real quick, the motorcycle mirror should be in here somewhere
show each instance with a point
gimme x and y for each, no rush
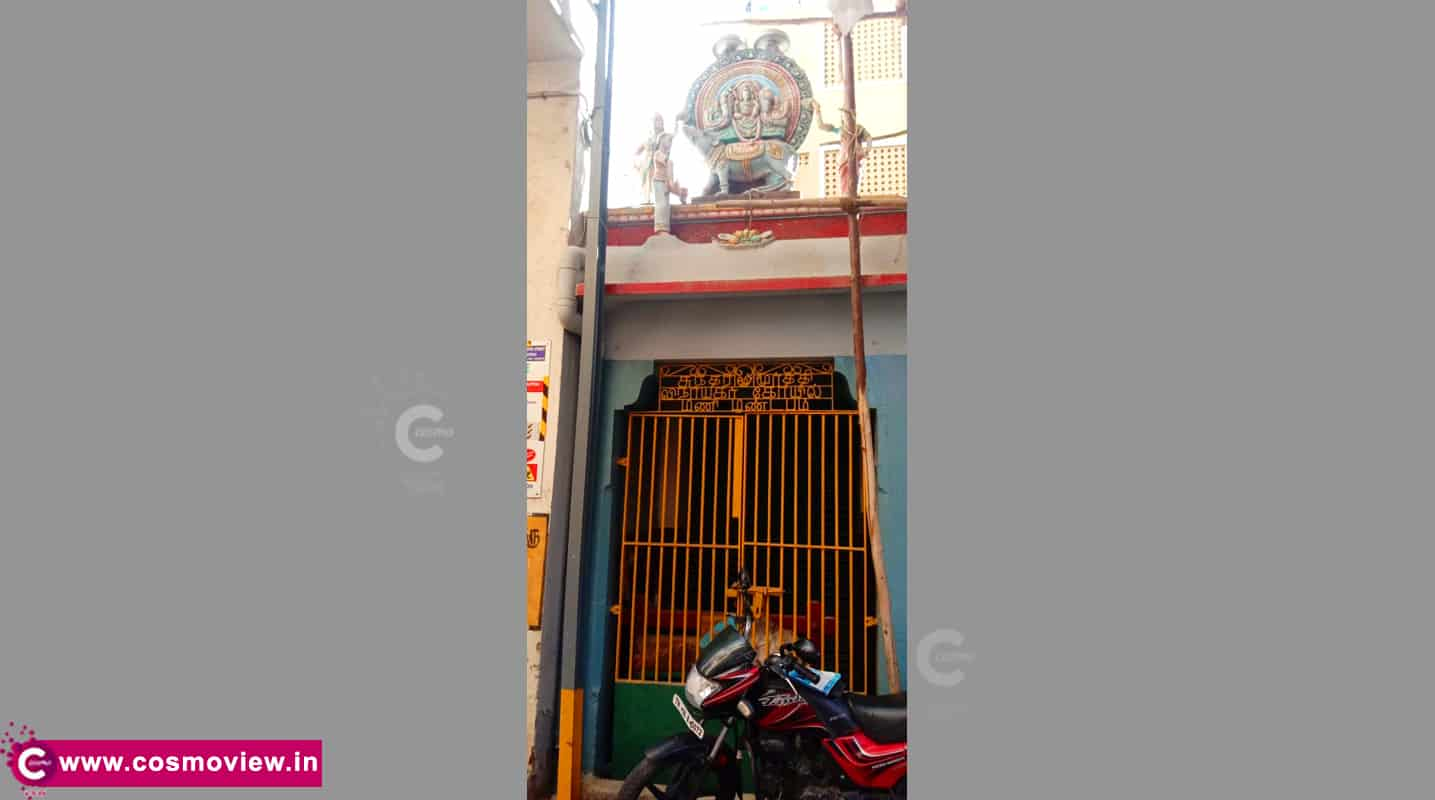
(807, 651)
(744, 580)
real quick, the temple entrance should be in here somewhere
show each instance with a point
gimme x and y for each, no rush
(751, 466)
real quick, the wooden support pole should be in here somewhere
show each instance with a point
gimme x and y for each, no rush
(859, 353)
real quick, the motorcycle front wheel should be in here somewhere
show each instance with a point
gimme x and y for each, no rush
(676, 777)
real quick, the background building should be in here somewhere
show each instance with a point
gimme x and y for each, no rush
(686, 490)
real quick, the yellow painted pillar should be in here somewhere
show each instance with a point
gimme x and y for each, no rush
(570, 745)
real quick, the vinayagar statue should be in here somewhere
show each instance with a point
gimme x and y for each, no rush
(748, 113)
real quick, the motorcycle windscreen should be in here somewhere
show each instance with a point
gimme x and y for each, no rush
(724, 649)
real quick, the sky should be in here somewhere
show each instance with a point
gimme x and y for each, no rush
(659, 49)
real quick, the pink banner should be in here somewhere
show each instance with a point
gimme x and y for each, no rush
(159, 763)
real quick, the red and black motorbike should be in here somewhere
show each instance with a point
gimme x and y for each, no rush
(804, 734)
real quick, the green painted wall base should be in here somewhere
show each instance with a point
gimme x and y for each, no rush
(643, 715)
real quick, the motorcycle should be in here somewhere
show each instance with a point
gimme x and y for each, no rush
(805, 735)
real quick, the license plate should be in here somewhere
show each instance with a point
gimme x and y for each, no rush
(693, 725)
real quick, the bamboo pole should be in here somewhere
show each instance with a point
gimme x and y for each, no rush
(859, 353)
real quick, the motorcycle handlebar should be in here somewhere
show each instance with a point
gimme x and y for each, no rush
(783, 664)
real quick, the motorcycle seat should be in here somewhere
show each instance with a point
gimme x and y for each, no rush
(882, 717)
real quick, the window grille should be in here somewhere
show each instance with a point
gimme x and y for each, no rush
(876, 48)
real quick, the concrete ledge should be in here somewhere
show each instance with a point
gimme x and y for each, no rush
(668, 259)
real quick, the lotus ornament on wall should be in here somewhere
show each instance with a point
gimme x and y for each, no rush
(747, 237)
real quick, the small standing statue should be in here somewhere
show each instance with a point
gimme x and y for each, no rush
(848, 174)
(655, 168)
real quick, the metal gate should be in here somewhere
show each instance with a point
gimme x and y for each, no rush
(777, 493)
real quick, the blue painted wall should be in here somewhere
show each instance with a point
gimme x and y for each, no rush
(621, 383)
(887, 395)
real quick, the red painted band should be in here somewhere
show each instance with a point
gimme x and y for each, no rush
(749, 285)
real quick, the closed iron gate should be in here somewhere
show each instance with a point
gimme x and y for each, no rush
(778, 493)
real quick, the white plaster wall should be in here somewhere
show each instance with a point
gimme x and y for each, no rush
(531, 680)
(668, 258)
(550, 155)
(551, 147)
(792, 326)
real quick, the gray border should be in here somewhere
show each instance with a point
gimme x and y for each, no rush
(1179, 473)
(227, 231)
(1171, 404)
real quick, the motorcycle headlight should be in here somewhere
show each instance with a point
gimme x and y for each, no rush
(697, 688)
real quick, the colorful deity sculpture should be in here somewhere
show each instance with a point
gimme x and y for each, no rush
(748, 114)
